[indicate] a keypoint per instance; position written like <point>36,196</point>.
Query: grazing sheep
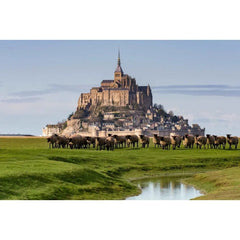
<point>200,140</point>
<point>156,140</point>
<point>93,141</point>
<point>132,140</point>
<point>232,141</point>
<point>165,142</point>
<point>176,141</point>
<point>128,142</point>
<point>144,140</point>
<point>210,141</point>
<point>100,142</point>
<point>52,141</point>
<point>188,141</point>
<point>109,143</point>
<point>120,141</point>
<point>90,140</point>
<point>219,141</point>
<point>62,141</point>
<point>195,140</point>
<point>75,141</point>
<point>84,143</point>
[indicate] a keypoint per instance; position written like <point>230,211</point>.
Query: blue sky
<point>40,81</point>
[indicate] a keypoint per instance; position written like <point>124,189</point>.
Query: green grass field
<point>29,170</point>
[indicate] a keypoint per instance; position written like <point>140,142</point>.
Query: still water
<point>165,188</point>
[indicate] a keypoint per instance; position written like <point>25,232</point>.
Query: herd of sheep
<point>115,141</point>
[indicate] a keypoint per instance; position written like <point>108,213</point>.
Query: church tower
<point>118,74</point>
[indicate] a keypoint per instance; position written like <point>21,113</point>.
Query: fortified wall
<point>94,132</point>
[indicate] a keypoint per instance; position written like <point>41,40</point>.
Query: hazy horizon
<point>40,81</point>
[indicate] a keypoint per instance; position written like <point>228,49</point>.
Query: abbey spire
<point>119,61</point>
<point>118,72</point>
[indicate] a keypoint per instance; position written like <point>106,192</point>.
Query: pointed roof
<point>119,68</point>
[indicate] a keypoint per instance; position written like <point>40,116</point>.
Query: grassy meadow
<point>30,170</point>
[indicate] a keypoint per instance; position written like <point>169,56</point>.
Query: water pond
<point>165,188</point>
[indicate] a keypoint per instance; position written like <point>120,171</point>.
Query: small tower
<point>118,72</point>
<point>149,97</point>
<point>148,90</point>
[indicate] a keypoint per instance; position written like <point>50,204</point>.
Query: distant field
<point>29,170</point>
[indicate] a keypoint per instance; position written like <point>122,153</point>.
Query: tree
<point>158,106</point>
<point>171,113</point>
<point>175,119</point>
<point>70,115</point>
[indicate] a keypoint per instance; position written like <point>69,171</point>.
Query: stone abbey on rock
<point>120,92</point>
<point>119,106</point>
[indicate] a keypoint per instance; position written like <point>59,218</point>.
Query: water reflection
<point>165,188</point>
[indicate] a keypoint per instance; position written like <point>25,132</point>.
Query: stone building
<point>120,92</point>
<point>51,129</point>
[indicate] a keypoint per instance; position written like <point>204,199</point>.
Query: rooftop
<point>107,81</point>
